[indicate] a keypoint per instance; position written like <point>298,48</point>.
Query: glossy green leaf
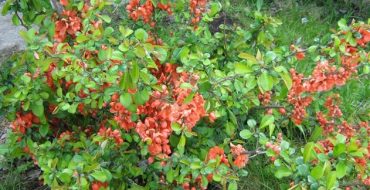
<point>100,176</point>
<point>265,82</point>
<point>250,58</point>
<point>141,35</point>
<point>283,171</point>
<point>233,186</point>
<point>266,121</point>
<point>241,68</point>
<point>125,99</point>
<point>181,145</point>
<point>245,134</point>
<point>37,108</point>
<point>341,169</point>
<point>308,151</point>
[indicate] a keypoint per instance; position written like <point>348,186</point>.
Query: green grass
<point>261,177</point>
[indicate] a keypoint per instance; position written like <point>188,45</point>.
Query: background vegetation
<point>303,22</point>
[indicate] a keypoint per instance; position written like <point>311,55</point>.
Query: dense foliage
<point>159,98</point>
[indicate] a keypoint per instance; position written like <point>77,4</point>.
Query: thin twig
<point>21,20</point>
<point>268,107</point>
<point>19,17</point>
<point>254,153</point>
<point>233,77</point>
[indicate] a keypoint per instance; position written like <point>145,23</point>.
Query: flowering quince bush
<point>156,100</point>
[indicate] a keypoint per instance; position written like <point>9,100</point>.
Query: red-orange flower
<point>240,156</point>
<point>64,2</point>
<point>216,152</point>
<point>300,56</point>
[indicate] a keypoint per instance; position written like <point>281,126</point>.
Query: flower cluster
<point>296,99</point>
<point>161,113</point>
<point>197,8</point>
<point>275,147</point>
<point>331,104</point>
<point>98,185</point>
<point>240,155</point>
<point>217,152</point>
<point>325,76</point>
<point>70,24</point>
<point>145,11</point>
<point>137,11</point>
<point>265,98</point>
<point>365,39</point>
<point>109,133</point>
<point>121,115</point>
<point>24,121</point>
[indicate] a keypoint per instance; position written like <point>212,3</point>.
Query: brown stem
<point>254,153</point>
<point>268,107</point>
<point>228,78</point>
<point>21,20</point>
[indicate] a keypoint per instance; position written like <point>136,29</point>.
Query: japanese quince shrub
<point>155,100</point>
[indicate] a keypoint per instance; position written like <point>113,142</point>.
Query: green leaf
<point>271,129</point>
<point>141,97</point>
<point>140,52</point>
<point>141,35</point>
<point>251,122</point>
<point>265,82</point>
<point>317,172</point>
<point>15,20</point>
<point>135,72</point>
<point>216,177</point>
<point>100,176</point>
<point>186,85</point>
<point>183,53</point>
<point>125,99</point>
<point>181,145</point>
<point>105,54</point>
<point>341,169</point>
<point>106,18</point>
<point>308,151</point>
<point>230,129</point>
<point>44,129</point>
<point>6,8</point>
<point>233,186</point>
<point>342,23</point>
<point>73,108</point>
<point>232,117</point>
<point>316,134</point>
<point>160,53</point>
<point>339,149</point>
<point>189,98</point>
<point>170,175</point>
<point>241,68</point>
<point>66,175</point>
<point>283,172</point>
<point>250,58</point>
<point>285,76</point>
<point>331,180</point>
<point>245,134</point>
<point>176,128</point>
<point>81,38</point>
<point>125,31</point>
<point>195,165</point>
<point>266,121</point>
<point>37,108</point>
